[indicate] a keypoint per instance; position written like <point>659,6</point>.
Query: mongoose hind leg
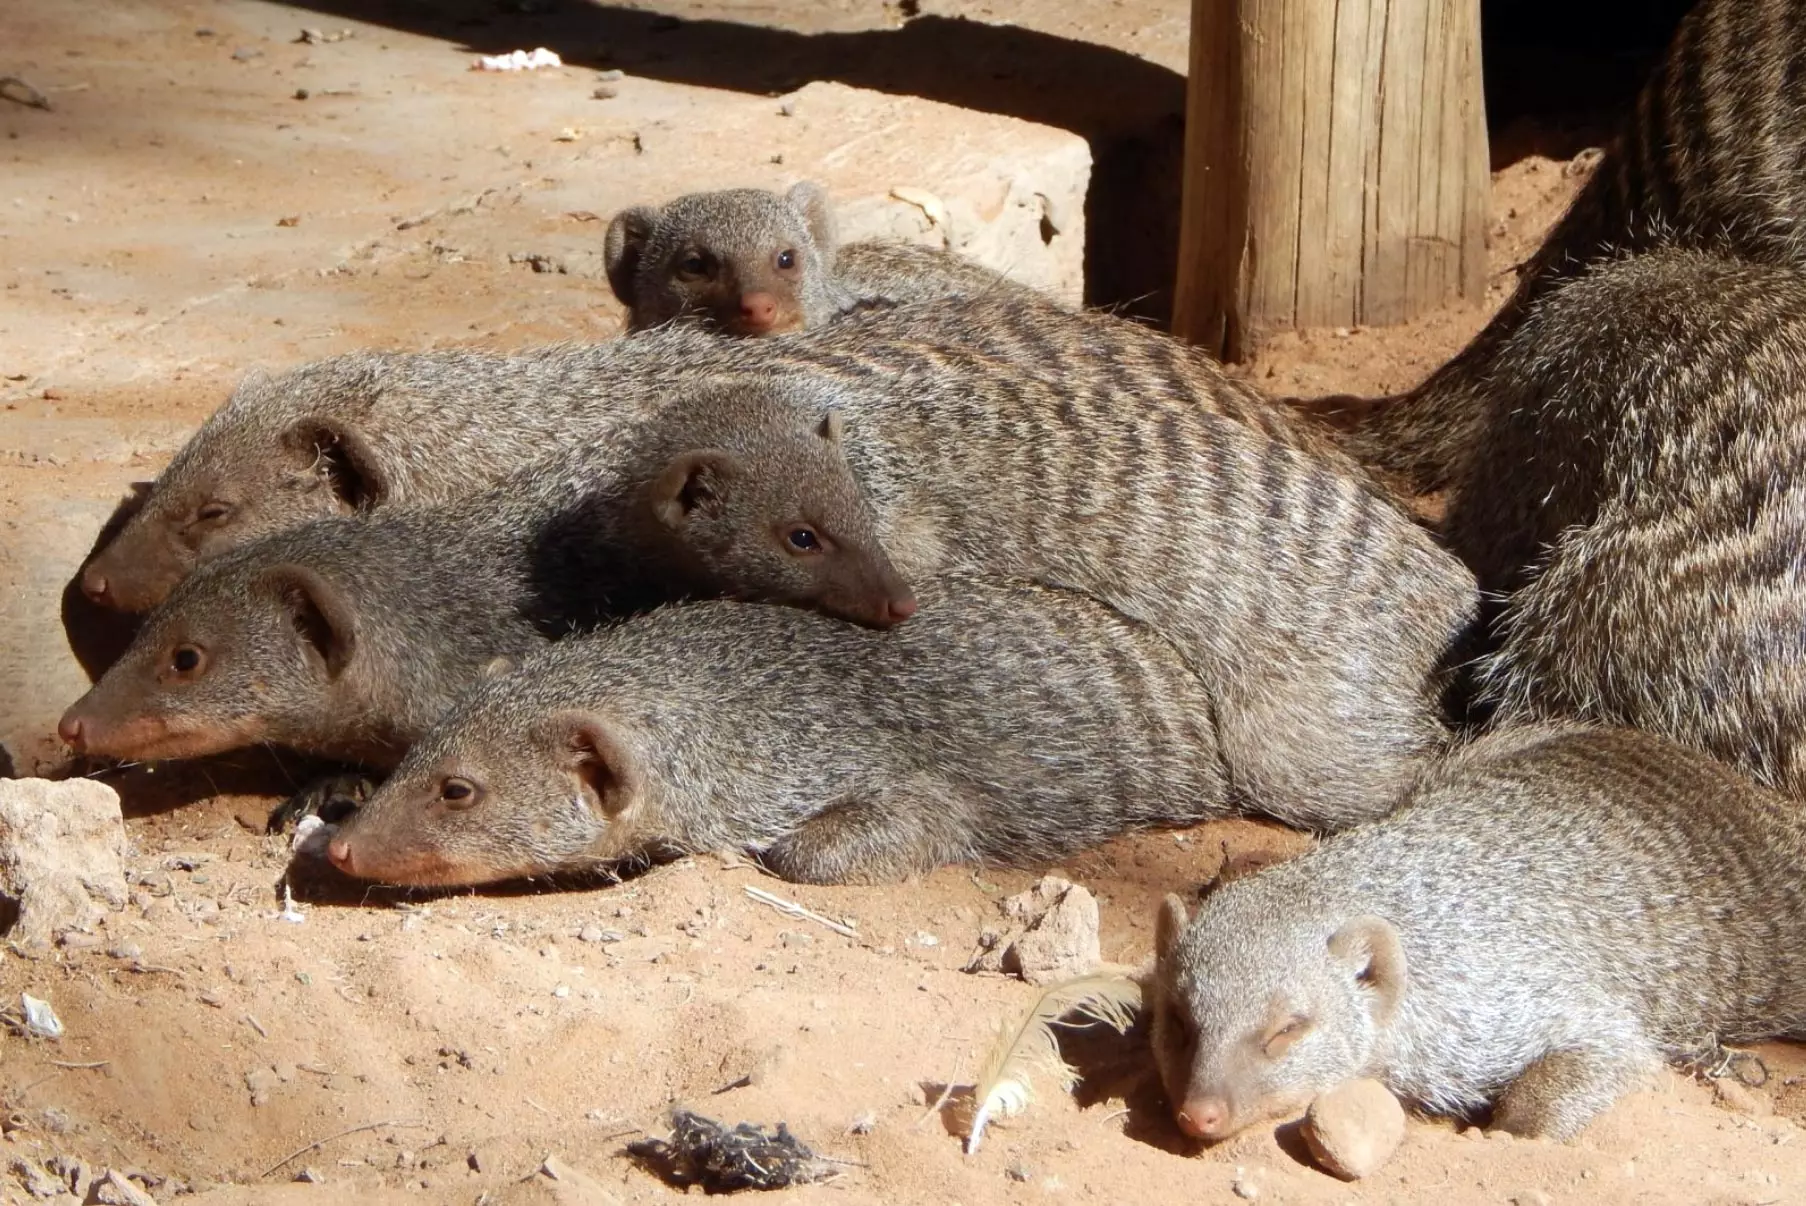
<point>906,828</point>
<point>332,798</point>
<point>1559,1094</point>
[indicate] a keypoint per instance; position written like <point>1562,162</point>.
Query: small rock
<point>38,1182</point>
<point>1052,935</point>
<point>62,855</point>
<point>127,950</point>
<point>1244,1188</point>
<point>556,1169</point>
<point>864,1124</point>
<point>244,54</point>
<point>1740,1098</point>
<point>1018,1171</point>
<point>311,1176</point>
<point>613,75</point>
<point>1353,1129</point>
<point>114,1189</point>
<point>1531,1197</point>
<point>604,92</point>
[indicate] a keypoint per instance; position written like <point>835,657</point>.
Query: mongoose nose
<point>899,609</point>
<point>758,311</point>
<point>338,852</point>
<point>94,585</point>
<point>69,728</point>
<point>1203,1117</point>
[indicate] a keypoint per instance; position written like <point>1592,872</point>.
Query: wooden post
<point>1336,166</point>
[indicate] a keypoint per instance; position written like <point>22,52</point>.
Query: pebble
<point>613,75</point>
<point>1018,1171</point>
<point>1353,1129</point>
<point>1244,1188</point>
<point>245,54</point>
<point>127,950</point>
<point>1531,1197</point>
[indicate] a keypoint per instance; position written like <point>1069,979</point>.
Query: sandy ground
<point>179,216</point>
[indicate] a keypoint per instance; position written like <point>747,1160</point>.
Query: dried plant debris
<point>703,1152</point>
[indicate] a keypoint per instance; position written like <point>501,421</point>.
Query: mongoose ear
<point>320,615</point>
<point>832,427</point>
<point>342,456</point>
<point>600,760</point>
<point>627,237</point>
<point>1168,927</point>
<point>811,201</point>
<point>696,481</point>
<point>1371,947</point>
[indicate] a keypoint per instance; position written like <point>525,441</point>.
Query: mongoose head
<point>780,519</point>
<point>234,481</point>
<point>1255,1012</point>
<point>231,658</point>
<point>501,791</point>
<point>744,261</point>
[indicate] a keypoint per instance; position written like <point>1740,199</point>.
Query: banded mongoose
<point>1641,504</point>
<point>1709,160</point>
<point>1551,914</point>
<point>1006,722</point>
<point>1317,612</point>
<point>744,261</point>
<point>347,636</point>
<point>364,431</point>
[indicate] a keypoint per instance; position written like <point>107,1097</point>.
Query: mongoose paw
<point>332,798</point>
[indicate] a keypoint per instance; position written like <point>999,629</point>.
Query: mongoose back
<point>1641,508</point>
<point>1551,913</point>
<point>1006,722</point>
<point>749,262</point>
<point>361,432</point>
<point>1709,159</point>
<point>1316,611</point>
<point>346,636</point>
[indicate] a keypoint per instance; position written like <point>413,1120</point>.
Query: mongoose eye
<point>458,794</point>
<point>694,266</point>
<point>213,512</point>
<point>187,659</point>
<point>803,540</point>
<point>1286,1034</point>
<point>786,260</point>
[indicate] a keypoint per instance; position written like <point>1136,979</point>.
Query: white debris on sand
<point>517,60</point>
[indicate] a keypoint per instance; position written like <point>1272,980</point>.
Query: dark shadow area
<point>315,881</point>
<point>99,636</point>
<point>1120,1067</point>
<point>1129,110</point>
<point>149,789</point>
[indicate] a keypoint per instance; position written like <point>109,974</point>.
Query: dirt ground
<point>181,215</point>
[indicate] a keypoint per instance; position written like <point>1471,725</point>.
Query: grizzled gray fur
<point>1550,915</point>
<point>347,636</point>
<point>744,261</point>
<point>1640,500</point>
<point>360,432</point>
<point>1006,722</point>
<point>1317,613</point>
<point>1710,159</point>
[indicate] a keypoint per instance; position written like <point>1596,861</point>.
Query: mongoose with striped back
<point>1551,914</point>
<point>1708,160</point>
<point>1006,722</point>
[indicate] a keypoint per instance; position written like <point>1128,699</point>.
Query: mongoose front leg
<point>1559,1094</point>
<point>910,827</point>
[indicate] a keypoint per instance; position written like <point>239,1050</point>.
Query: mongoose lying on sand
<point>1551,913</point>
<point>1641,503</point>
<point>1316,612</point>
<point>1710,159</point>
<point>1008,723</point>
<point>347,637</point>
<point>744,261</point>
<point>361,432</point>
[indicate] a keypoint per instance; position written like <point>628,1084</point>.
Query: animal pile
<point>866,560</point>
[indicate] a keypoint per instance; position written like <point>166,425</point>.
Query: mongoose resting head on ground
<point>743,260</point>
<point>1550,914</point>
<point>1005,722</point>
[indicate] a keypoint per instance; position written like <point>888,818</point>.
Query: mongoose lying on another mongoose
<point>365,431</point>
<point>1710,159</point>
<point>347,637</point>
<point>1316,612</point>
<point>1005,722</point>
<point>1640,504</point>
<point>745,261</point>
<point>1551,913</point>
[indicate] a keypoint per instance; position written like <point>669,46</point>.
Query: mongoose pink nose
<point>69,728</point>
<point>1204,1117</point>
<point>94,585</point>
<point>900,609</point>
<point>338,852</point>
<point>758,311</point>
